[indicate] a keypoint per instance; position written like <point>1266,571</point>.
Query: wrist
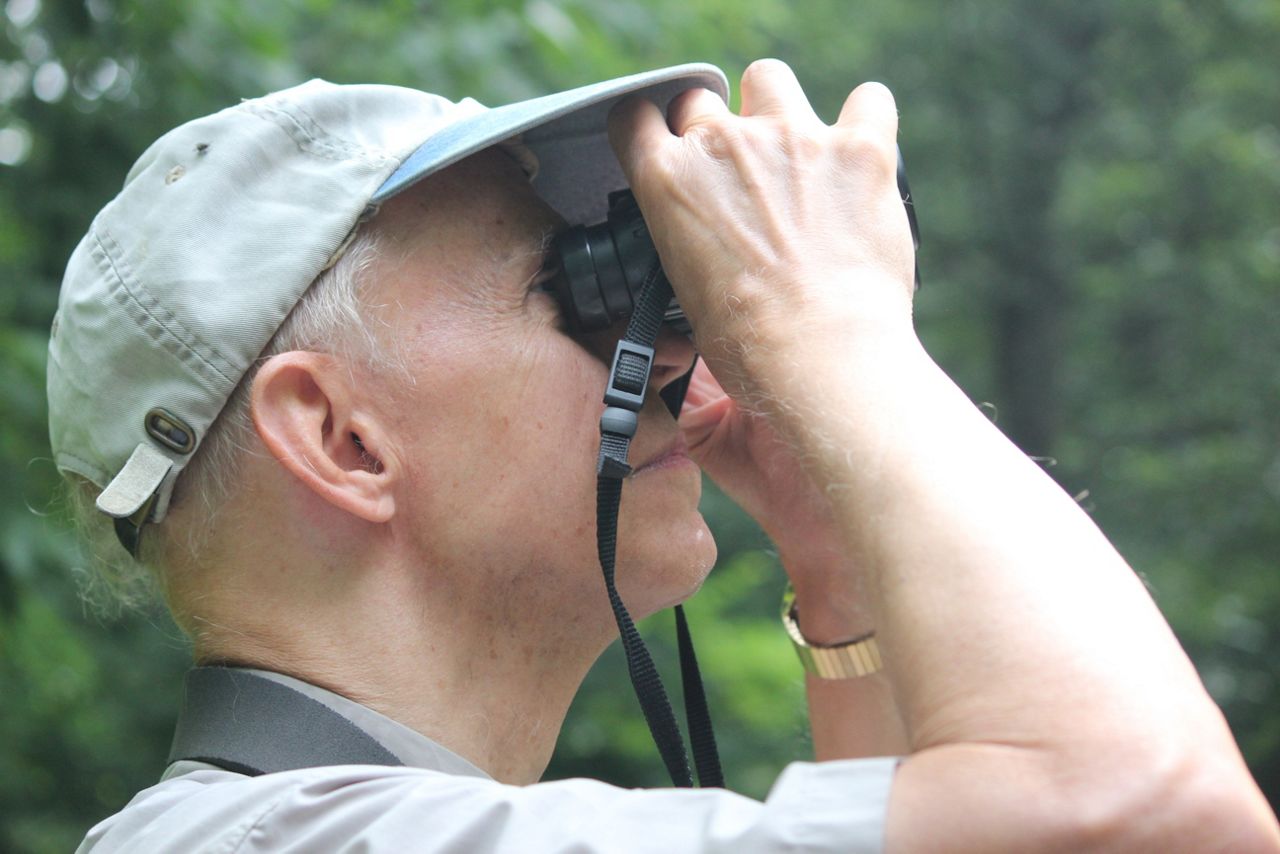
<point>855,418</point>
<point>845,659</point>
<point>869,322</point>
<point>770,327</point>
<point>830,597</point>
<point>825,622</point>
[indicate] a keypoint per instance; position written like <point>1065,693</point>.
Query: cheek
<point>549,404</point>
<point>503,465</point>
<point>552,439</point>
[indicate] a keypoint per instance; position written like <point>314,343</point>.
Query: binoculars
<point>601,267</point>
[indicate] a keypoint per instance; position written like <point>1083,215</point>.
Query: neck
<point>490,682</point>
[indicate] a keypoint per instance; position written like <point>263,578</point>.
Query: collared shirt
<point>440,802</point>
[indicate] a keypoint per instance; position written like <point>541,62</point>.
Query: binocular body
<point>602,266</point>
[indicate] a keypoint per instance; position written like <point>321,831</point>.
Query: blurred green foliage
<point>1099,190</point>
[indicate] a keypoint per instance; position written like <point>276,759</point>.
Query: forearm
<point>787,243</point>
<point>849,718</point>
<point>967,550</point>
<point>1021,648</point>
<point>1047,704</point>
<point>854,718</point>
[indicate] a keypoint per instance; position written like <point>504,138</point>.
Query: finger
<point>704,426</point>
<point>871,107</point>
<point>693,107</point>
<point>703,388</point>
<point>637,131</point>
<point>770,88</point>
<point>673,356</point>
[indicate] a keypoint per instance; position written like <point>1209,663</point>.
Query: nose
<point>672,357</point>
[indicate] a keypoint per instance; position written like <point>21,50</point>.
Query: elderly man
<point>308,368</point>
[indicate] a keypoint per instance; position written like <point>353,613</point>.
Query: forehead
<point>484,201</point>
<point>459,250</point>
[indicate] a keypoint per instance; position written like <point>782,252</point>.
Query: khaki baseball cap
<point>223,223</point>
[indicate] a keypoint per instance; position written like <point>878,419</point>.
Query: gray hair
<point>333,316</point>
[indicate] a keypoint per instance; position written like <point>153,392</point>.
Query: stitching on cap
<point>311,137</point>
<point>173,342</point>
<point>86,468</point>
<point>152,310</point>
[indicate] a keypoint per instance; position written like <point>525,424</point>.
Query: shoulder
<point>378,808</point>
<point>211,809</point>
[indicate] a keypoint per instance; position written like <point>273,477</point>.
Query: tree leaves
<point>1098,190</point>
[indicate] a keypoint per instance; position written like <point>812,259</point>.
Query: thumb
<point>705,427</point>
<point>707,413</point>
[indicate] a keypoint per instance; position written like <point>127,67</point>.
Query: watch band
<point>846,660</point>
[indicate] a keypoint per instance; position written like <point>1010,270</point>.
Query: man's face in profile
<point>498,432</point>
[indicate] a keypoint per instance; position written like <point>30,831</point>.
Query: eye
<point>546,273</point>
<point>540,291</point>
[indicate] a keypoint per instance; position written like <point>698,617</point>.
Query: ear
<point>306,413</point>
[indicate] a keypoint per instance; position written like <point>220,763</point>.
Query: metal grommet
<point>170,431</point>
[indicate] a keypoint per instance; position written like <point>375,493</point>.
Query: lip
<point>676,453</point>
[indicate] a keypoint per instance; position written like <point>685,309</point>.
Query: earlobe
<point>304,410</point>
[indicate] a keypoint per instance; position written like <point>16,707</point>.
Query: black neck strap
<point>628,382</point>
<point>253,725</point>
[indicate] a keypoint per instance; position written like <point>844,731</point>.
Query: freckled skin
<point>453,586</point>
<point>499,434</point>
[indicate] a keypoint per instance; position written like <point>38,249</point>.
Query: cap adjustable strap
<point>131,494</point>
<point>628,380</point>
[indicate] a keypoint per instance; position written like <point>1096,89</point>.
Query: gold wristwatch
<point>847,660</point>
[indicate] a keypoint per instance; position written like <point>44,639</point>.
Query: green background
<point>1098,186</point>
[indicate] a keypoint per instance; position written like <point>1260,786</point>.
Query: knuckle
<point>868,152</point>
<point>878,90</point>
<point>718,137</point>
<point>802,143</point>
<point>766,66</point>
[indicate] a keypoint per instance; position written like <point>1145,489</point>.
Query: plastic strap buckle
<point>623,397</point>
<point>629,375</point>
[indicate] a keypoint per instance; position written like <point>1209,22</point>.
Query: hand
<point>762,474</point>
<point>754,466</point>
<point>774,228</point>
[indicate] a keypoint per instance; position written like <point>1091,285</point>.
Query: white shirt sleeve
<point>828,806</point>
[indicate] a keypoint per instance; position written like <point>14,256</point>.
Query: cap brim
<point>568,133</point>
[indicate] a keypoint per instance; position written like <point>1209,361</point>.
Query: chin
<point>667,566</point>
